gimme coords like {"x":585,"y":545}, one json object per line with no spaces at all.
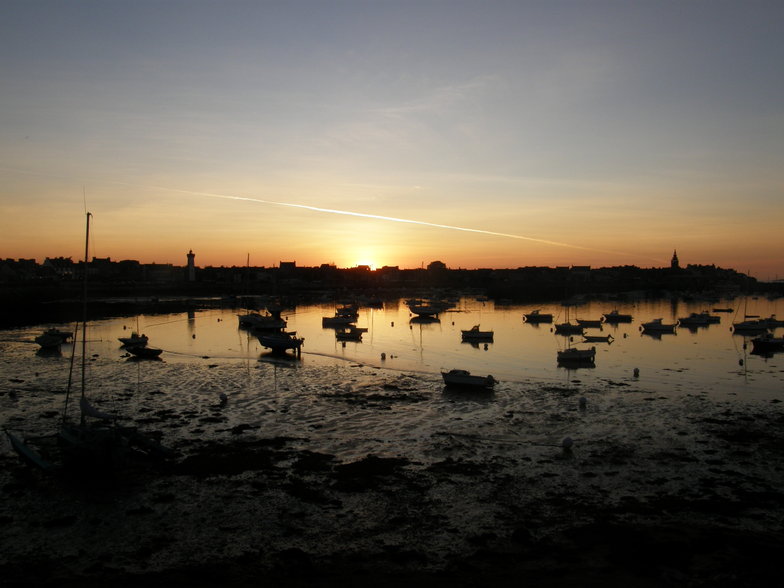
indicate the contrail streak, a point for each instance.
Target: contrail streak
{"x":390,"y":219}
{"x":387,"y":218}
{"x":365,"y":215}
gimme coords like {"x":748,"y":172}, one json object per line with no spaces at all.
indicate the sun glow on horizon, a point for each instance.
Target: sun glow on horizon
{"x":370,"y":264}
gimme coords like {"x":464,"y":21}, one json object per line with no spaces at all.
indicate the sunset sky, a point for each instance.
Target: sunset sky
{"x":579,"y":132}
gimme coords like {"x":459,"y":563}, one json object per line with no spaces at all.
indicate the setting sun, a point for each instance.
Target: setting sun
{"x":366,"y":261}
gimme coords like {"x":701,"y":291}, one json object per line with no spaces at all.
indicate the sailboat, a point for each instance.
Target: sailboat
{"x":94,"y":442}
{"x":751,"y":323}
{"x":568,"y":328}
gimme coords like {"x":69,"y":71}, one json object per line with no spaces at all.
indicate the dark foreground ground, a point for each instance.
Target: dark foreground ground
{"x":270,"y":512}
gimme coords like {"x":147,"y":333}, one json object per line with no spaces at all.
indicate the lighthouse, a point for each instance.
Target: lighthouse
{"x":191,"y":266}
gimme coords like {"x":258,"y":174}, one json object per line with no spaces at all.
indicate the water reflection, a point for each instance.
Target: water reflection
{"x":425,"y":320}
{"x":522,"y":350}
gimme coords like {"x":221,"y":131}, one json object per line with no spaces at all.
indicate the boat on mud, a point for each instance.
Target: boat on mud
{"x":464,"y":379}
{"x":281,"y":342}
{"x":144,"y":352}
{"x":49,"y":341}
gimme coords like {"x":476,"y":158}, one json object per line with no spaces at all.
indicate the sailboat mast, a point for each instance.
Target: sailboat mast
{"x":84,"y":303}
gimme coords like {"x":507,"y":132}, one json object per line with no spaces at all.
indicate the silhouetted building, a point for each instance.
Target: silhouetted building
{"x":191,"y":266}
{"x":675,"y":264}
{"x":62,"y":266}
{"x":161,"y":272}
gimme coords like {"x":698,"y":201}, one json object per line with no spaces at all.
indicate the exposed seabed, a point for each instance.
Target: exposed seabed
{"x":321,"y":473}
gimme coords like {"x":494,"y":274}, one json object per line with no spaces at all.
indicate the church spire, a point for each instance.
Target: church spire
{"x":675,"y":264}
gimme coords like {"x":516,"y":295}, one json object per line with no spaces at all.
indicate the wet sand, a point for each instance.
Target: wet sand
{"x":346,"y":475}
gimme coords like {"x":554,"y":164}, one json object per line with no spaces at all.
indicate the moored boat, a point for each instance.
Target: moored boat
{"x":65,"y":335}
{"x":144,"y":352}
{"x":590,"y":323}
{"x":254,"y":320}
{"x":425,"y":308}
{"x":574,"y":355}
{"x":474,"y":334}
{"x":693,"y":320}
{"x":749,"y":327}
{"x":658,"y":325}
{"x":463,"y":378}
{"x":337,"y":320}
{"x":616,"y":317}
{"x":350,"y":333}
{"x":699,"y":319}
{"x":568,"y":328}
{"x":536,"y":316}
{"x":598,"y":338}
{"x":49,"y":341}
{"x":280,"y":342}
{"x":348,"y":310}
{"x":767,"y":343}
{"x":772,"y":322}
{"x":134,"y":340}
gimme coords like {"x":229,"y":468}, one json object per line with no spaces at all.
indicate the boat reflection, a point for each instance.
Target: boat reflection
{"x":142,"y":359}
{"x":49,"y":352}
{"x":425,"y":320}
{"x":462,"y":394}
{"x":279,"y":358}
{"x":656,"y":334}
{"x":476,"y":344}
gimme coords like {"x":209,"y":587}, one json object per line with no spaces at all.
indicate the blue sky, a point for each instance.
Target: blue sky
{"x":621,"y":129}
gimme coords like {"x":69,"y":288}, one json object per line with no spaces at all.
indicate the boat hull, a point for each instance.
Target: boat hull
{"x":463,"y":379}
{"x":577,"y":356}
